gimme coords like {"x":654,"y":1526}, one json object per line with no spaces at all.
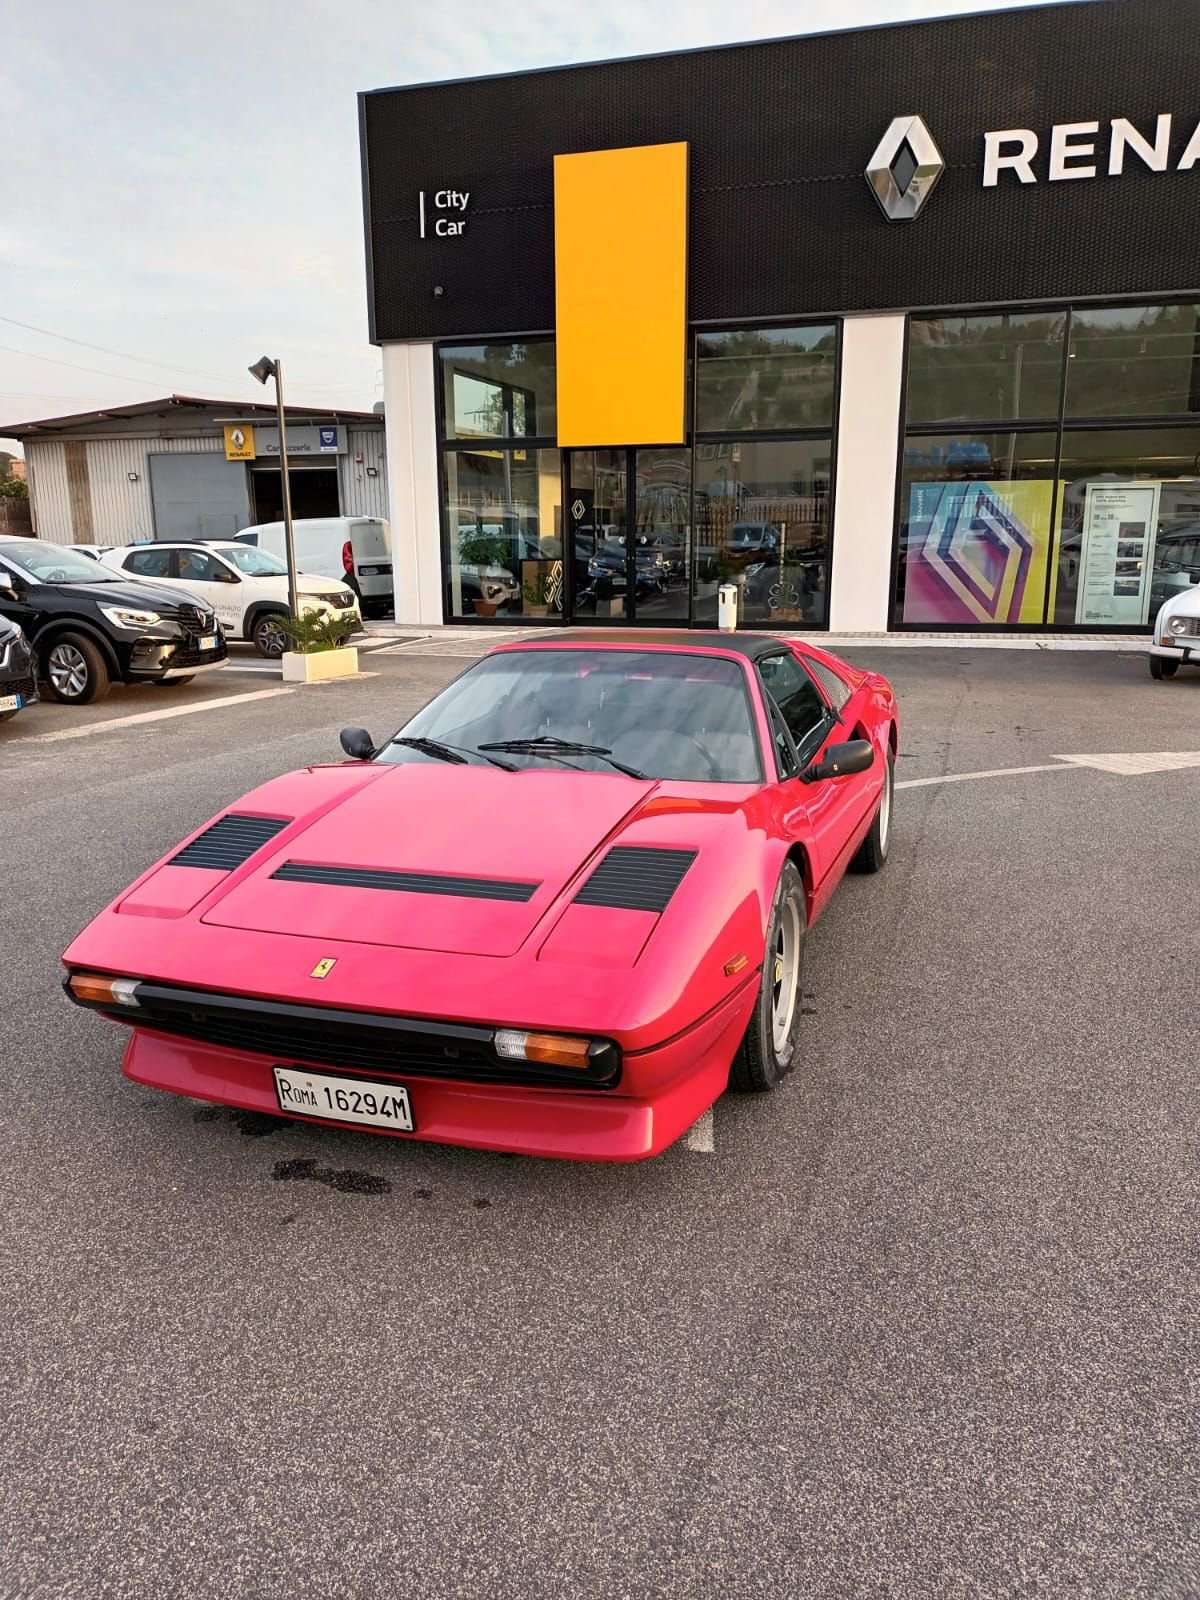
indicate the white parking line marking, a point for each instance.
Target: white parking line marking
{"x":154,"y":716}
{"x":1136,"y":766}
{"x":967,"y":777}
{"x":699,"y":1136}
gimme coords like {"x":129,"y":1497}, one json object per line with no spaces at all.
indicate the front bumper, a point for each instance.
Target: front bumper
{"x":1185,"y":648}
{"x":660,"y":1094}
{"x":163,"y":659}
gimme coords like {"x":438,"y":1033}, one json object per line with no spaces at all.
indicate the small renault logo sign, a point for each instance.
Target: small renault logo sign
{"x":904,"y":169}
{"x":324,"y":967}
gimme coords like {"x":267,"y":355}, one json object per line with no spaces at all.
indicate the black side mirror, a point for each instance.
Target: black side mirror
{"x":225,"y":576}
{"x":856,"y":755}
{"x":357,"y":743}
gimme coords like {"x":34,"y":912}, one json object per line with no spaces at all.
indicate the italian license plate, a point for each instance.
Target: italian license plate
{"x":209,"y":642}
{"x":11,"y":702}
{"x":317,"y":1094}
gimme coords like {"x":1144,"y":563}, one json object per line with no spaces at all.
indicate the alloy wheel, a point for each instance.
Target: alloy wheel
{"x":67,"y":671}
{"x":785,"y":976}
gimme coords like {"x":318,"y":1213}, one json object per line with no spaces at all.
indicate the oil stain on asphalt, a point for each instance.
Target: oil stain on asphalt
{"x":345,"y":1181}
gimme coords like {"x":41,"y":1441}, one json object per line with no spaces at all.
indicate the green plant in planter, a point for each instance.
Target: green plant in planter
{"x":312,"y":631}
{"x":485,"y":550}
{"x":535,"y":589}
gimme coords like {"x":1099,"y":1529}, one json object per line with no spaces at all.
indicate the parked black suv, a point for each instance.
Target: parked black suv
{"x":88,"y":625}
{"x":18,"y":679}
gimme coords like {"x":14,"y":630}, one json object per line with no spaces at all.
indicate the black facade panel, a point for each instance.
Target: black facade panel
{"x":782,"y":221}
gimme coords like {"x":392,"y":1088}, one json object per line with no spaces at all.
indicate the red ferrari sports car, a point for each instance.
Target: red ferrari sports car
{"x":558,"y":913}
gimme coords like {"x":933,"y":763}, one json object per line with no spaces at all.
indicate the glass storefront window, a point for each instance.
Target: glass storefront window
{"x":1134,"y":361}
{"x":503,"y":516}
{"x":766,"y":379}
{"x":1128,"y":534}
{"x":993,"y":368}
{"x":498,"y":391}
{"x":761,"y":518}
{"x":975,"y":518}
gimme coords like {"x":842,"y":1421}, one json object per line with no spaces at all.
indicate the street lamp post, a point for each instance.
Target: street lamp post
{"x":263,"y":369}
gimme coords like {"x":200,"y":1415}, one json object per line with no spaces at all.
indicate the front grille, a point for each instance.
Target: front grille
{"x":397,"y":1047}
{"x":1191,"y":628}
{"x":192,"y":618}
{"x":409,"y":882}
{"x":636,"y":878}
{"x":25,"y":687}
{"x":188,"y":655}
{"x":229,"y":842}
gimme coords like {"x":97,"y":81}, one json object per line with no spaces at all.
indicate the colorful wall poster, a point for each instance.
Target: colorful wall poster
{"x":1120,"y":523}
{"x":977,"y":552}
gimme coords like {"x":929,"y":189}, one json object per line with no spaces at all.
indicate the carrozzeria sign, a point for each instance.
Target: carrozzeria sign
{"x":907,"y":163}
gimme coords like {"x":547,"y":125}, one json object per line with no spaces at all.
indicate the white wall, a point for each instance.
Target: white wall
{"x":121,"y":509}
{"x":362,"y":495}
{"x":867,"y":458}
{"x":412,"y":476}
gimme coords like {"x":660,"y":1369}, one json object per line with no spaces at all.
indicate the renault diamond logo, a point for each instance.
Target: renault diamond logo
{"x":904,"y":169}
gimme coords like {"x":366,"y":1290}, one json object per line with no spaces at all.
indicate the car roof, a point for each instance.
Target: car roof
{"x":752,"y":646}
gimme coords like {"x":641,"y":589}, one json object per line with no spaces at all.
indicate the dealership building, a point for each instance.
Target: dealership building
{"x":189,"y":468}
{"x":897,"y":328}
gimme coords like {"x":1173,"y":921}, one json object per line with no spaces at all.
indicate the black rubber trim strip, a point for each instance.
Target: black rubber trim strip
{"x":407,"y":882}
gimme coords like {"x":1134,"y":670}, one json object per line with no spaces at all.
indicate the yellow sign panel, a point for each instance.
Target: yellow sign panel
{"x":239,"y":441}
{"x":620,"y":258}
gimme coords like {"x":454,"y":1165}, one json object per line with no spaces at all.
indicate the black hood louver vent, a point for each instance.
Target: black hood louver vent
{"x":636,"y":878}
{"x":229,"y":842}
{"x":408,"y":882}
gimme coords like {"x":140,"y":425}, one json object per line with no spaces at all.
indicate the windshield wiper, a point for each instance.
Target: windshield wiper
{"x":547,"y":745}
{"x":451,"y":752}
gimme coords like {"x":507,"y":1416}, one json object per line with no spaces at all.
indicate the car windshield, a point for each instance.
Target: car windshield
{"x":662,"y":714}
{"x":253,"y":562}
{"x":54,"y":563}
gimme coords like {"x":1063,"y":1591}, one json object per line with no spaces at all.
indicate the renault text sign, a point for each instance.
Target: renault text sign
{"x":1074,"y":150}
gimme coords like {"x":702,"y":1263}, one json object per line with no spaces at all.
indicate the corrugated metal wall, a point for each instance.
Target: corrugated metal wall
{"x":363,"y":496}
{"x":121,"y":509}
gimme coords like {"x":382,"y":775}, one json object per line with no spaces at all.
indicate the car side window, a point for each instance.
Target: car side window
{"x":198,"y":566}
{"x":835,"y":688}
{"x":804,"y":712}
{"x":149,"y":563}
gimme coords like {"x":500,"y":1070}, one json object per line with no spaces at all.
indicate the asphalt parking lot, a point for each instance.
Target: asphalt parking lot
{"x":923,"y":1323}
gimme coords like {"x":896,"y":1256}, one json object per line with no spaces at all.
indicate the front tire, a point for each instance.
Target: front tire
{"x":75,"y":671}
{"x":268,"y":636}
{"x":873,"y":851}
{"x":770,"y":1044}
{"x":1161,"y":668}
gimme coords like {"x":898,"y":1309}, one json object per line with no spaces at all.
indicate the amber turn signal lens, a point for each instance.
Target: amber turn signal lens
{"x":94,"y":989}
{"x":551,"y":1049}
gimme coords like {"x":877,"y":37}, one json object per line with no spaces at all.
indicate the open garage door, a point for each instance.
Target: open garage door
{"x":198,"y":496}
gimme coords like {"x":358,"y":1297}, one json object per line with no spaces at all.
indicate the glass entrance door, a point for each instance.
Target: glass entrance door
{"x":629,"y":522}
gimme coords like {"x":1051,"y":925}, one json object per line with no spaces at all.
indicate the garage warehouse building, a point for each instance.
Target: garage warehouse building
{"x":900,"y":328}
{"x":186,"y":468}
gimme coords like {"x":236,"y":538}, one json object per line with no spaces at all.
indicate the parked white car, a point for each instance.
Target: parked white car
{"x":246,"y":587}
{"x":356,"y":550}
{"x":1176,"y":635}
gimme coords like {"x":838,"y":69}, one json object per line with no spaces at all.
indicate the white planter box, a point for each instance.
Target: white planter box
{"x":320,"y":665}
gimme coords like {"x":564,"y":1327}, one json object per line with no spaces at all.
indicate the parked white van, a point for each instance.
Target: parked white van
{"x":354,"y":550}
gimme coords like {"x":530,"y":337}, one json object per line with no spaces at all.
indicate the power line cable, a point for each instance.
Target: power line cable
{"x":105,"y":350}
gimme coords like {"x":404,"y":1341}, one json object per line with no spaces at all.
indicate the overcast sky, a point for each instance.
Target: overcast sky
{"x":181,"y":179}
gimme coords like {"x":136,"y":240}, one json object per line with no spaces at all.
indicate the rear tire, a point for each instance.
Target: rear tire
{"x":1161,"y":668}
{"x":770,"y":1044}
{"x":873,"y":851}
{"x":75,"y":671}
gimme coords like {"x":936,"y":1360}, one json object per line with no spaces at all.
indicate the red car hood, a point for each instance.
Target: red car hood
{"x":494,"y":849}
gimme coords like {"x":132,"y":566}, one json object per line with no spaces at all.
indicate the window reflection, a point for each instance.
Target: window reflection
{"x":1134,"y":361}
{"x":504,"y":519}
{"x":970,"y":369}
{"x":498,"y":391}
{"x":766,"y":379}
{"x":762,"y":520}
